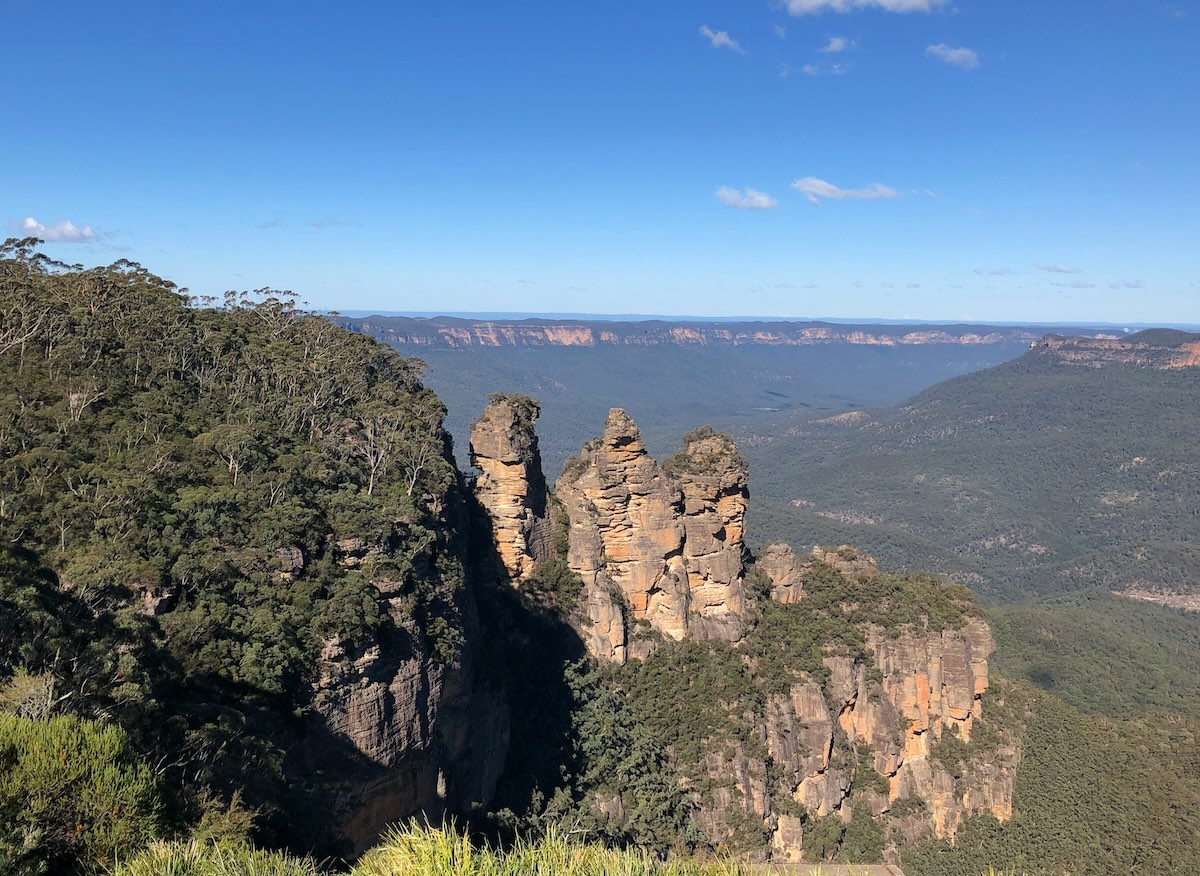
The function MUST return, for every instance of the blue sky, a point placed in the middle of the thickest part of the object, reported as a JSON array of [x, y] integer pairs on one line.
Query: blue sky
[[963, 159]]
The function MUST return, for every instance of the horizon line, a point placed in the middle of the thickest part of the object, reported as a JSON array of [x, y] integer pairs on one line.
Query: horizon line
[[835, 320]]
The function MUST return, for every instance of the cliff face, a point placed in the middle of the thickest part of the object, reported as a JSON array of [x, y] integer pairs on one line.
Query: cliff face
[[885, 730], [408, 731], [450, 332], [1163, 349], [511, 486], [657, 550]]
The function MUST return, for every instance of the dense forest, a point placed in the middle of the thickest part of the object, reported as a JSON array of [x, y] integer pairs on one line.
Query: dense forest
[[204, 502], [1029, 479], [176, 482]]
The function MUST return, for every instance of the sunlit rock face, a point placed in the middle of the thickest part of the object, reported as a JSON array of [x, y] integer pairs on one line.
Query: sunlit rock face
[[658, 548], [511, 486]]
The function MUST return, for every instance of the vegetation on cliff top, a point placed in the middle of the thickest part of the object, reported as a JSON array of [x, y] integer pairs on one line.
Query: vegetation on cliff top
[[192, 500]]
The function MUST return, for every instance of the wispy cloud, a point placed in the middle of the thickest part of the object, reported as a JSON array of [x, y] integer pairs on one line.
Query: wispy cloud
[[1127, 284], [813, 7], [1059, 269], [60, 232], [720, 39], [815, 189], [963, 58], [828, 70], [779, 31], [270, 223], [1078, 284], [748, 199], [835, 45], [995, 272], [325, 223]]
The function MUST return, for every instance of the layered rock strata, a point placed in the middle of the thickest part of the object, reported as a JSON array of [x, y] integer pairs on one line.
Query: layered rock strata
[[1163, 349], [856, 746], [659, 550], [405, 731], [867, 740], [511, 486], [451, 332]]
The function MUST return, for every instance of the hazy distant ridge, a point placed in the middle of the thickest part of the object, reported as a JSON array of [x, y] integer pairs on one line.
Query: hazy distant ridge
[[453, 332]]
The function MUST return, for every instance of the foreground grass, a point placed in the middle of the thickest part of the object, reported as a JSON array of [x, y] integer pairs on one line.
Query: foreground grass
[[423, 851], [214, 859], [431, 851]]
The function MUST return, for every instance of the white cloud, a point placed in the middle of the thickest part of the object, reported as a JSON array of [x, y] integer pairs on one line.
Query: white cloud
[[750, 199], [325, 223], [831, 70], [720, 39], [995, 272], [963, 58], [815, 189], [780, 31], [785, 70], [1059, 269], [1127, 284], [61, 232], [835, 45], [814, 7], [1078, 284]]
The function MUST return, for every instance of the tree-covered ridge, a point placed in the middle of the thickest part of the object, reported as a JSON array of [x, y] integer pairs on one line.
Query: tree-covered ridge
[[1102, 654], [1030, 478], [194, 496]]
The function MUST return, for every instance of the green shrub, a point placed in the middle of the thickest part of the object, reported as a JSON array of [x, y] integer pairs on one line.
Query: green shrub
[[72, 796]]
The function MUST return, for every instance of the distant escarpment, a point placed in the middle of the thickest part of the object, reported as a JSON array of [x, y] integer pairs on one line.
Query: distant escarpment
[[451, 332], [1156, 348], [809, 706]]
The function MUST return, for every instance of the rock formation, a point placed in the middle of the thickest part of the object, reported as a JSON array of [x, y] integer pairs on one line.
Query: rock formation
[[1164, 349], [511, 485], [787, 571], [856, 746], [658, 550], [406, 732]]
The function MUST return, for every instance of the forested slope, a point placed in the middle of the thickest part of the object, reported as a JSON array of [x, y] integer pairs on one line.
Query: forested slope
[[196, 507], [1037, 476]]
